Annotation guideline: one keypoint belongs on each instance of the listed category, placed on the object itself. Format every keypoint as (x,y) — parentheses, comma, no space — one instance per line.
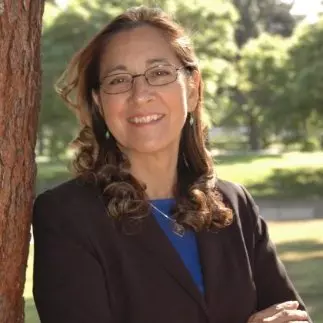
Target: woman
(146,232)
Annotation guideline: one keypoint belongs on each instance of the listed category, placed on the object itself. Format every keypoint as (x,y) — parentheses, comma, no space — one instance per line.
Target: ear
(193,90)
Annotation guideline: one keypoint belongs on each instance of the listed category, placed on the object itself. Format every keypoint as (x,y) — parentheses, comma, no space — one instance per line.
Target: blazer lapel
(154,241)
(212,256)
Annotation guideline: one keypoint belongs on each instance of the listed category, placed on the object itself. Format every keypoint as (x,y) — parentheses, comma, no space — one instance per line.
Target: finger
(272,310)
(290,305)
(286,316)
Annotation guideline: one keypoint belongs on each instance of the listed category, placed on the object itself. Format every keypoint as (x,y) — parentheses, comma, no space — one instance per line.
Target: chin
(149,147)
(154,145)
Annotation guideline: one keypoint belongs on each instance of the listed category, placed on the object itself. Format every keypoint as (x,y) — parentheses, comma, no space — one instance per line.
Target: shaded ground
(243,158)
(31,315)
(273,179)
(280,176)
(296,183)
(300,246)
(304,263)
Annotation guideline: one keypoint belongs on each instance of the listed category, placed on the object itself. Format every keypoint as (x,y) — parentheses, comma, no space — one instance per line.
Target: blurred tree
(305,86)
(62,37)
(20,32)
(215,48)
(67,31)
(307,64)
(262,79)
(256,18)
(238,76)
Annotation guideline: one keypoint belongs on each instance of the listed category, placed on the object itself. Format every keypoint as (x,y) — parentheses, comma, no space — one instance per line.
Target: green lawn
(290,175)
(30,311)
(285,176)
(300,245)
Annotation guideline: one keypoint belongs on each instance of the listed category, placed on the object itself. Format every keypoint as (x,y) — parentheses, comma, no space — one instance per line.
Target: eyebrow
(157,60)
(124,68)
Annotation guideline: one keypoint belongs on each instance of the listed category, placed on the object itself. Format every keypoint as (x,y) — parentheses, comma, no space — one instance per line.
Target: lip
(140,115)
(160,115)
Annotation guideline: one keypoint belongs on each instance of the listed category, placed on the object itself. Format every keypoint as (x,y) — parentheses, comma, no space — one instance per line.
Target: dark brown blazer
(87,271)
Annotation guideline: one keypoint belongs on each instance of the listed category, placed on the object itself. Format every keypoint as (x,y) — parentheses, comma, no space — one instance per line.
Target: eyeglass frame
(133,76)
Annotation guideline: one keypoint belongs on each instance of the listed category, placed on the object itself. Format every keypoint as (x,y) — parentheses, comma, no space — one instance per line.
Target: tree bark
(20,78)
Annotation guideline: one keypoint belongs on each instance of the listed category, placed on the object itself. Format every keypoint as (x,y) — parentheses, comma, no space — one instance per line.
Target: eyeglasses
(155,76)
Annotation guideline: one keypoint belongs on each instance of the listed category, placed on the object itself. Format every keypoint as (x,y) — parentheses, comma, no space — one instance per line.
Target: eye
(159,72)
(117,80)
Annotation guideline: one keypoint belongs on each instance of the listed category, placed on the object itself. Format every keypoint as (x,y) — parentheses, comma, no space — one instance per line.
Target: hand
(286,312)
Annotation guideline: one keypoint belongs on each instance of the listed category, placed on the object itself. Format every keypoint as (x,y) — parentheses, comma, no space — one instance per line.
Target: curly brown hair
(198,204)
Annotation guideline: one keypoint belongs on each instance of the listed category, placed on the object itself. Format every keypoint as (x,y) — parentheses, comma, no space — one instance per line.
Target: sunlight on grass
(300,246)
(28,284)
(257,167)
(281,232)
(31,315)
(290,175)
(299,243)
(296,256)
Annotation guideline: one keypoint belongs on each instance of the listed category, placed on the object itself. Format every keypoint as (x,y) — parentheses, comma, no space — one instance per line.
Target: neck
(158,171)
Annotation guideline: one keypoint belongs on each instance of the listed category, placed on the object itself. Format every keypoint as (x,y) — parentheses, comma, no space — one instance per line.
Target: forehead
(134,48)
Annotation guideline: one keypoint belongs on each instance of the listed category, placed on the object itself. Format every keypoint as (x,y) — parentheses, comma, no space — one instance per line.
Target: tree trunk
(254,135)
(20,32)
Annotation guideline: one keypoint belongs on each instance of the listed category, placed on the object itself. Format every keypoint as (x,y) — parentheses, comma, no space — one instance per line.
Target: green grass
(31,315)
(285,176)
(300,246)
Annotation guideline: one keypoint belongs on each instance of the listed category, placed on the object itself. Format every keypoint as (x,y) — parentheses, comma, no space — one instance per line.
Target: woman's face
(146,118)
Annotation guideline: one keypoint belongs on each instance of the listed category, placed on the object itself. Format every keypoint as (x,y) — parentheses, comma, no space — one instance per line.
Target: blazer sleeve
(69,284)
(272,282)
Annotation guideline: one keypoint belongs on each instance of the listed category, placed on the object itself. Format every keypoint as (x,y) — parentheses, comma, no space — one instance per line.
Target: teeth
(145,119)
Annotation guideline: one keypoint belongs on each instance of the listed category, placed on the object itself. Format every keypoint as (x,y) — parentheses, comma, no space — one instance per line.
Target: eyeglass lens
(122,82)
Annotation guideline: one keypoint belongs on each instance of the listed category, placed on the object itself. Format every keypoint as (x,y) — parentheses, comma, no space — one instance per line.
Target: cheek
(183,94)
(180,102)
(113,110)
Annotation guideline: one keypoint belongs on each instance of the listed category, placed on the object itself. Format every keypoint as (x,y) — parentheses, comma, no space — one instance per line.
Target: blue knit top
(186,246)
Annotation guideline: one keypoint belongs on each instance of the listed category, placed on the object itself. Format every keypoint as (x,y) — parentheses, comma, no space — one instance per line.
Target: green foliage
(65,32)
(215,46)
(262,80)
(299,108)
(307,66)
(257,74)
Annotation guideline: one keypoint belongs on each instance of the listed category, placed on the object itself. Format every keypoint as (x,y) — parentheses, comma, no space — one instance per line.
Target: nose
(141,90)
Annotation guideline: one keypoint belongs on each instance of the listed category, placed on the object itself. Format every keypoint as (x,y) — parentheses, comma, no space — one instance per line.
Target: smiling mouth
(146,119)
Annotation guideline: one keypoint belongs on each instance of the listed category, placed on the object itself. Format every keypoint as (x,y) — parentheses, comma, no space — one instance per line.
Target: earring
(107,134)
(191,119)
